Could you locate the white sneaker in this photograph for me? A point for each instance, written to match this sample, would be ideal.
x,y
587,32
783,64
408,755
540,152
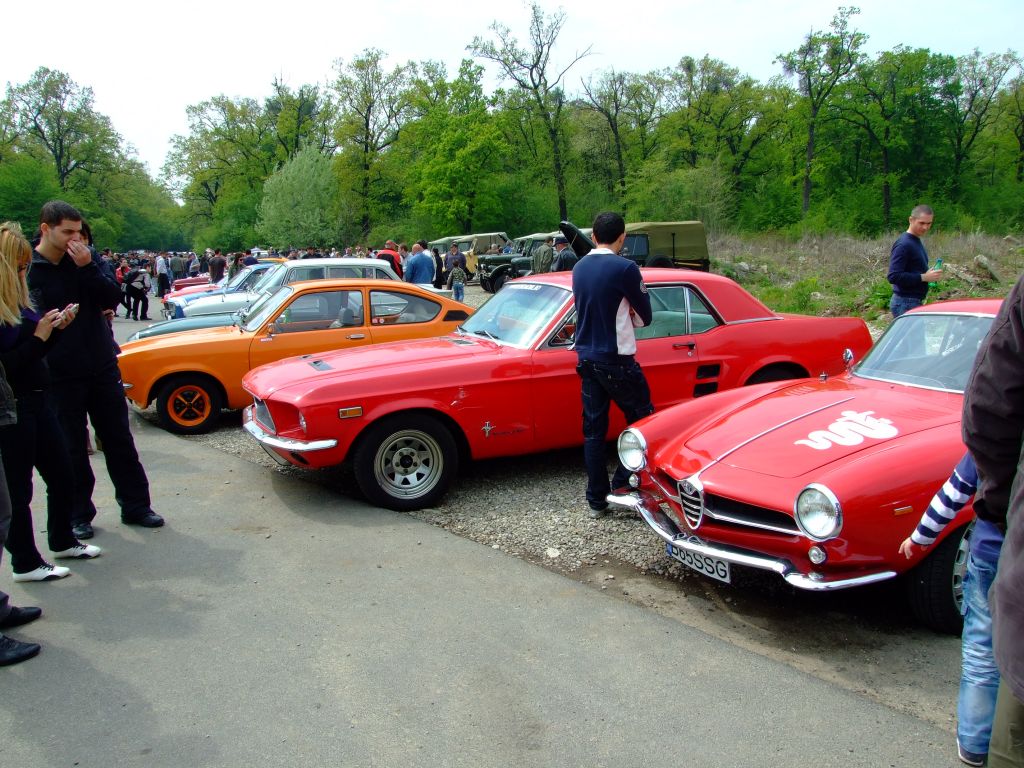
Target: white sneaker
x,y
44,572
79,550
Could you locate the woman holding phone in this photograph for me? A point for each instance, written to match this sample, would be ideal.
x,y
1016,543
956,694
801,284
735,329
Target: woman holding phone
x,y
36,440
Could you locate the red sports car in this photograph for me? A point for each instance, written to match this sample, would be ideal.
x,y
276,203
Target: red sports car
x,y
505,383
820,481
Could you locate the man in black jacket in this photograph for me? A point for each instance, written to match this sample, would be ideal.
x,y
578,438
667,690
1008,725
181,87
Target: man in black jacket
x,y
993,431
83,365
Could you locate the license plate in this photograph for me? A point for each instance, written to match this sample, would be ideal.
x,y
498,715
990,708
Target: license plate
x,y
709,566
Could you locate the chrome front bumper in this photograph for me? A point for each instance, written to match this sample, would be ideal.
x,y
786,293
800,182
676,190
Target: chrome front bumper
x,y
647,507
291,445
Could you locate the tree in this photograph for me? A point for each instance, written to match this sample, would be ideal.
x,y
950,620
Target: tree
x,y
301,118
300,202
374,105
56,116
819,64
967,97
528,68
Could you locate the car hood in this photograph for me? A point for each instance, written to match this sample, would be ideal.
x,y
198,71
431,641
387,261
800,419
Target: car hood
x,y
408,360
220,302
182,339
799,429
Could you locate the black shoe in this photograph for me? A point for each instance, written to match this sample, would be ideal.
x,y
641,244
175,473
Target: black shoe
x,y
12,651
145,318
19,616
147,519
82,531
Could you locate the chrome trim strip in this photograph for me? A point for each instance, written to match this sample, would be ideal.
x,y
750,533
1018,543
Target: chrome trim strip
x,y
284,443
644,505
794,531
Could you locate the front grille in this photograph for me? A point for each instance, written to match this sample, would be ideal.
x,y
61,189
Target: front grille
x,y
692,498
698,507
262,415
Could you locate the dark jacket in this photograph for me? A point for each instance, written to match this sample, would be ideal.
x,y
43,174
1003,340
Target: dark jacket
x,y
907,262
86,346
22,354
993,431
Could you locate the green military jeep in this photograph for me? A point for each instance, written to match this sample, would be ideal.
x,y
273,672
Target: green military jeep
x,y
496,268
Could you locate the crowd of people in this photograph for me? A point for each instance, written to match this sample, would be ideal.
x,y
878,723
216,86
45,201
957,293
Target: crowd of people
x,y
60,373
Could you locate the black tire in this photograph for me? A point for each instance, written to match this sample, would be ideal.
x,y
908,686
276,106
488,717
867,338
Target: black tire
x,y
935,587
659,261
486,284
406,462
189,404
775,373
499,281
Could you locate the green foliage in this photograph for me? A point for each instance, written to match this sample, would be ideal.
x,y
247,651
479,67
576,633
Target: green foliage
x,y
299,204
25,184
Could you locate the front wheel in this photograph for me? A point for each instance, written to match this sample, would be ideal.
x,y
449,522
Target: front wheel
x,y
406,462
188,404
936,586
498,282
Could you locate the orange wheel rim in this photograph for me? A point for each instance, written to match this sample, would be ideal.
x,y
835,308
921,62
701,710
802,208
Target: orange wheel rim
x,y
189,405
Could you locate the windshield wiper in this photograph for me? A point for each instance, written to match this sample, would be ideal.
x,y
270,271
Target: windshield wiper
x,y
485,334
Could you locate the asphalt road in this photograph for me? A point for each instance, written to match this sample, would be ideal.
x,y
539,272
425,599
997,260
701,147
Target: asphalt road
x,y
273,622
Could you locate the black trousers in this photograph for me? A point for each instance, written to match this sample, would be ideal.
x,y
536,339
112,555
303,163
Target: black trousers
x,y
36,441
101,398
138,295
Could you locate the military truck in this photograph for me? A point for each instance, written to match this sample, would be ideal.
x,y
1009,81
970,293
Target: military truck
x,y
473,246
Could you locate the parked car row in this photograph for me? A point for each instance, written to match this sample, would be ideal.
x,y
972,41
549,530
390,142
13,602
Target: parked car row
x,y
794,461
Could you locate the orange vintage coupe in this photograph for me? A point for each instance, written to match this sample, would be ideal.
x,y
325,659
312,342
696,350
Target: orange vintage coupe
x,y
195,374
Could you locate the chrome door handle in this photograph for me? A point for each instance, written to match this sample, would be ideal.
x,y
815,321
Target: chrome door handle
x,y
356,336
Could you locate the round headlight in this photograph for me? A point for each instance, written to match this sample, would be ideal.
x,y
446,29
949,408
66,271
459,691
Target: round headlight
x,y
818,512
632,450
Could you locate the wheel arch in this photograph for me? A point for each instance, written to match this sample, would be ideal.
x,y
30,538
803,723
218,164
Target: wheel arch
x,y
159,383
453,427
777,371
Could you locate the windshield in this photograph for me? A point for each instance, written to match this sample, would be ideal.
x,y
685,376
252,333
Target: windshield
x,y
265,308
238,279
935,351
517,313
268,280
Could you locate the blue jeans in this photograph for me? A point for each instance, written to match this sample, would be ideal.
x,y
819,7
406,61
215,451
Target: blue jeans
x,y
458,291
602,384
979,676
900,304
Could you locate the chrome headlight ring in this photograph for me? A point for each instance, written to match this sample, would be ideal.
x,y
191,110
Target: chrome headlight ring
x,y
632,449
818,512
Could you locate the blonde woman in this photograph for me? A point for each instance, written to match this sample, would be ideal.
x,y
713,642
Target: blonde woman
x,y
36,440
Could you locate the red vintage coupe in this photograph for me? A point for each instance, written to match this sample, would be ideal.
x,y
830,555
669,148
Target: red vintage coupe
x,y
505,383
820,481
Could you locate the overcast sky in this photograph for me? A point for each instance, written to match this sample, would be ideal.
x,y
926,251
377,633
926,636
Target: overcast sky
x,y
146,62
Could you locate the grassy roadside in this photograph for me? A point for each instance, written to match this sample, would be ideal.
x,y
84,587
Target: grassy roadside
x,y
845,276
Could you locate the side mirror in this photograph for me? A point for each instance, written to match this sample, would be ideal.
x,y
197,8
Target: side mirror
x,y
848,357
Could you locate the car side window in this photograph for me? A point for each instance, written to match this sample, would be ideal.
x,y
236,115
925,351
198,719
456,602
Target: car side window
x,y
345,272
678,310
321,311
702,319
395,307
306,273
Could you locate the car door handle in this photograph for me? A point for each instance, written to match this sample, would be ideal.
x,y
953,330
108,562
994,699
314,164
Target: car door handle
x,y
266,338
356,336
690,345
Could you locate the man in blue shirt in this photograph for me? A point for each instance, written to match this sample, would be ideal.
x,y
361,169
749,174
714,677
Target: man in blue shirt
x,y
611,299
908,264
420,266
